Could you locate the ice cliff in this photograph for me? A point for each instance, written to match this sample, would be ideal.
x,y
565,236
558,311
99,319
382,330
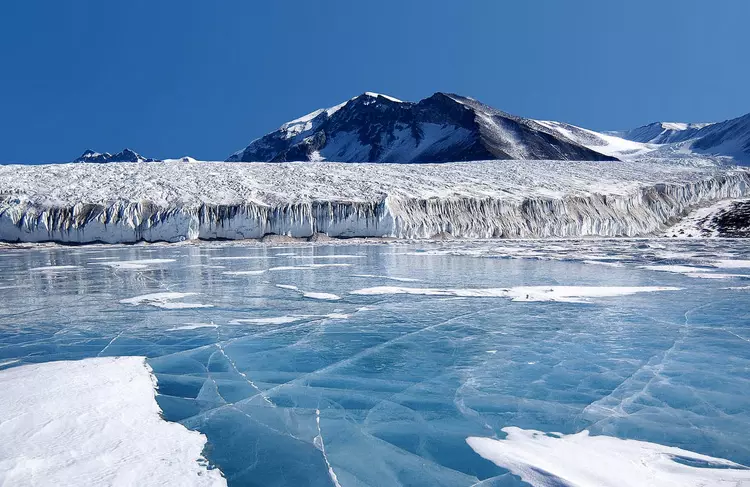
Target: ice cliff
x,y
175,201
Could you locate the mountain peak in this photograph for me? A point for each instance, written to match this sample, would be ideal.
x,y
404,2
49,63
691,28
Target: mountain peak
x,y
379,95
126,155
441,128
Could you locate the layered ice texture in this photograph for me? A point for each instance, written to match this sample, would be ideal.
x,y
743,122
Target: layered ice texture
x,y
433,368
176,201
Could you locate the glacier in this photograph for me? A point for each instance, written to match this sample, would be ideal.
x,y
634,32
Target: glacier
x,y
177,201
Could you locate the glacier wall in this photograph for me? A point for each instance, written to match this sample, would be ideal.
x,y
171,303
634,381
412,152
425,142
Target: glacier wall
x,y
624,208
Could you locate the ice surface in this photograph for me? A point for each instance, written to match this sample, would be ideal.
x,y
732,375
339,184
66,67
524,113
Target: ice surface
x,y
93,422
392,385
581,460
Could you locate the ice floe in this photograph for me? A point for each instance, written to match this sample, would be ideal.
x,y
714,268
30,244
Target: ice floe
x,y
93,422
582,460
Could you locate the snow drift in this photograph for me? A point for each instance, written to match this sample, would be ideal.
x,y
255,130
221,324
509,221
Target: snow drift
x,y
175,201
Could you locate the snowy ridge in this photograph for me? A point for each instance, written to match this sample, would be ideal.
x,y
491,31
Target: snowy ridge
x,y
175,201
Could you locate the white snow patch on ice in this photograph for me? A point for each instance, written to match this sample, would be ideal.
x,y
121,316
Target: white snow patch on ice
x,y
696,272
389,278
304,267
54,268
164,300
93,422
309,294
244,273
336,256
731,264
136,264
243,257
274,320
569,294
282,320
193,326
581,460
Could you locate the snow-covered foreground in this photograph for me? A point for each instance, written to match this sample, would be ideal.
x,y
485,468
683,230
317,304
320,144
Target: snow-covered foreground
x,y
174,201
372,365
93,422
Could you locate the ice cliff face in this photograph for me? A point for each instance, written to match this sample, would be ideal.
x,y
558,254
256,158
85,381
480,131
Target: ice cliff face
x,y
125,155
174,201
441,128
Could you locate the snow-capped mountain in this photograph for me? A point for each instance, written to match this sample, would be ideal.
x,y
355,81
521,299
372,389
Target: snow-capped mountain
x,y
661,132
126,155
441,128
730,138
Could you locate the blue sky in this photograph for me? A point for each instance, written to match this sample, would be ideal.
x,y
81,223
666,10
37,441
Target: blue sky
x,y
181,77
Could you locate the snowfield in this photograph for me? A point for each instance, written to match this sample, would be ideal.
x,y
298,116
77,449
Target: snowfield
x,y
175,201
93,422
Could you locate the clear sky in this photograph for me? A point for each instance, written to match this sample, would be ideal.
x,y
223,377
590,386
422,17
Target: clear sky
x,y
203,78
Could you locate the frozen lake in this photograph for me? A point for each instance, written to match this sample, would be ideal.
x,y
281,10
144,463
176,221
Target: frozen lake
x,y
360,365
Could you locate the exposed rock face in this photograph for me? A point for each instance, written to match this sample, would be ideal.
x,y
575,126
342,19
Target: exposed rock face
x,y
126,155
441,128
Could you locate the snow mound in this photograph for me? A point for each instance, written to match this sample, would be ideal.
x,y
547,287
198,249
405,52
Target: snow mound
x,y
93,422
581,460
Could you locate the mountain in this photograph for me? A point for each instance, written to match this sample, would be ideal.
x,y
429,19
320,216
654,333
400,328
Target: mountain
x,y
126,155
661,132
730,138
444,127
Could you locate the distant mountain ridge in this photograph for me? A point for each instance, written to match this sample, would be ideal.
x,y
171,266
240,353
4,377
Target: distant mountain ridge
x,y
661,132
126,155
441,128
730,138
447,127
